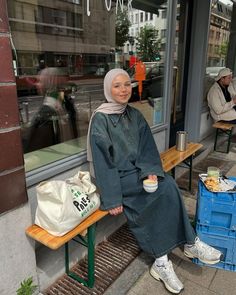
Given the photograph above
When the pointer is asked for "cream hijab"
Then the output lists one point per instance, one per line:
(111, 107)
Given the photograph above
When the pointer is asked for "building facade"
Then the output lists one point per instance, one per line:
(219, 33)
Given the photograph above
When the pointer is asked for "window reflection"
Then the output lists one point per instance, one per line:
(219, 33)
(60, 56)
(56, 119)
(147, 43)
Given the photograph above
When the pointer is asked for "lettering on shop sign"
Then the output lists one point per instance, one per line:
(119, 3)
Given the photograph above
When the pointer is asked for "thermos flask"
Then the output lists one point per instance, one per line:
(181, 140)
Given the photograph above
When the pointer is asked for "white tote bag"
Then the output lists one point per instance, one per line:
(62, 205)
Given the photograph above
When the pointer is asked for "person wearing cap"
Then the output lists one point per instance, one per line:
(222, 98)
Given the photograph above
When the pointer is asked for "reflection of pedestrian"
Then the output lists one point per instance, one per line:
(140, 76)
(55, 121)
(122, 151)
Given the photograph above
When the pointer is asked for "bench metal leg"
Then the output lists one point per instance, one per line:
(172, 172)
(229, 139)
(216, 137)
(189, 163)
(91, 256)
(90, 244)
(190, 172)
(228, 134)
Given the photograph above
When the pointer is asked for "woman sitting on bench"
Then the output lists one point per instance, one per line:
(123, 153)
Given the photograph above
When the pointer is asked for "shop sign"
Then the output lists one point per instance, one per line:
(119, 3)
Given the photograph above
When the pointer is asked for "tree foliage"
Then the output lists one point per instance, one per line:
(148, 44)
(122, 27)
(223, 49)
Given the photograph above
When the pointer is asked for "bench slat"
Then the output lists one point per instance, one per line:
(222, 125)
(53, 242)
(171, 158)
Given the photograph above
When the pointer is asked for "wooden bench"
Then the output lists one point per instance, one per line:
(84, 233)
(86, 228)
(172, 158)
(223, 129)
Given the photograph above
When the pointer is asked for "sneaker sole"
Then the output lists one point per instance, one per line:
(204, 261)
(157, 277)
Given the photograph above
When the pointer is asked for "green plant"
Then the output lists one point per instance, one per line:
(122, 27)
(27, 287)
(148, 46)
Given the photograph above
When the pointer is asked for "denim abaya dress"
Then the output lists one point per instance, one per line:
(124, 153)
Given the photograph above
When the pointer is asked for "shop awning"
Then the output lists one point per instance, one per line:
(148, 5)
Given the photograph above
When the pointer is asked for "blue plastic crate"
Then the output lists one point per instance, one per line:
(216, 230)
(217, 209)
(225, 244)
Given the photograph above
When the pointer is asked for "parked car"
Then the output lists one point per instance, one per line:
(152, 85)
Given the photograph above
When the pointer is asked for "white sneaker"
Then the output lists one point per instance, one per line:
(203, 252)
(167, 274)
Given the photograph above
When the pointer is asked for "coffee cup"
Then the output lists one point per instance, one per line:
(213, 172)
(150, 186)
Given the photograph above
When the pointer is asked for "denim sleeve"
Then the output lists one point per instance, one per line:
(148, 159)
(106, 173)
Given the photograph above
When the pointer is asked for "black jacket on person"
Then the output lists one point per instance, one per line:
(45, 129)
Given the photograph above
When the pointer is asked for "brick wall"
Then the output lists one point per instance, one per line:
(12, 175)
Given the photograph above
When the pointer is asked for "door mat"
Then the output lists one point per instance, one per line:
(111, 259)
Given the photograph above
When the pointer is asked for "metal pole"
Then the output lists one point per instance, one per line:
(26, 110)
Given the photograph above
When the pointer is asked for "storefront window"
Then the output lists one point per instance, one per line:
(61, 52)
(147, 44)
(219, 33)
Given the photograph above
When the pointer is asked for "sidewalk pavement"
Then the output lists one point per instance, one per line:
(197, 280)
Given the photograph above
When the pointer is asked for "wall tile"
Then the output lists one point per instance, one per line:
(9, 113)
(13, 190)
(6, 73)
(11, 150)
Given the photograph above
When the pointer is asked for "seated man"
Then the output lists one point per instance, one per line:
(221, 98)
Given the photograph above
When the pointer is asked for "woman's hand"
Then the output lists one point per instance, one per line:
(116, 211)
(234, 99)
(152, 177)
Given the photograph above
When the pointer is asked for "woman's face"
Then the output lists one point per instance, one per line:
(121, 89)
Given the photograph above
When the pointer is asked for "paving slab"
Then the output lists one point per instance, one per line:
(190, 205)
(202, 276)
(131, 275)
(191, 288)
(148, 285)
(224, 283)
